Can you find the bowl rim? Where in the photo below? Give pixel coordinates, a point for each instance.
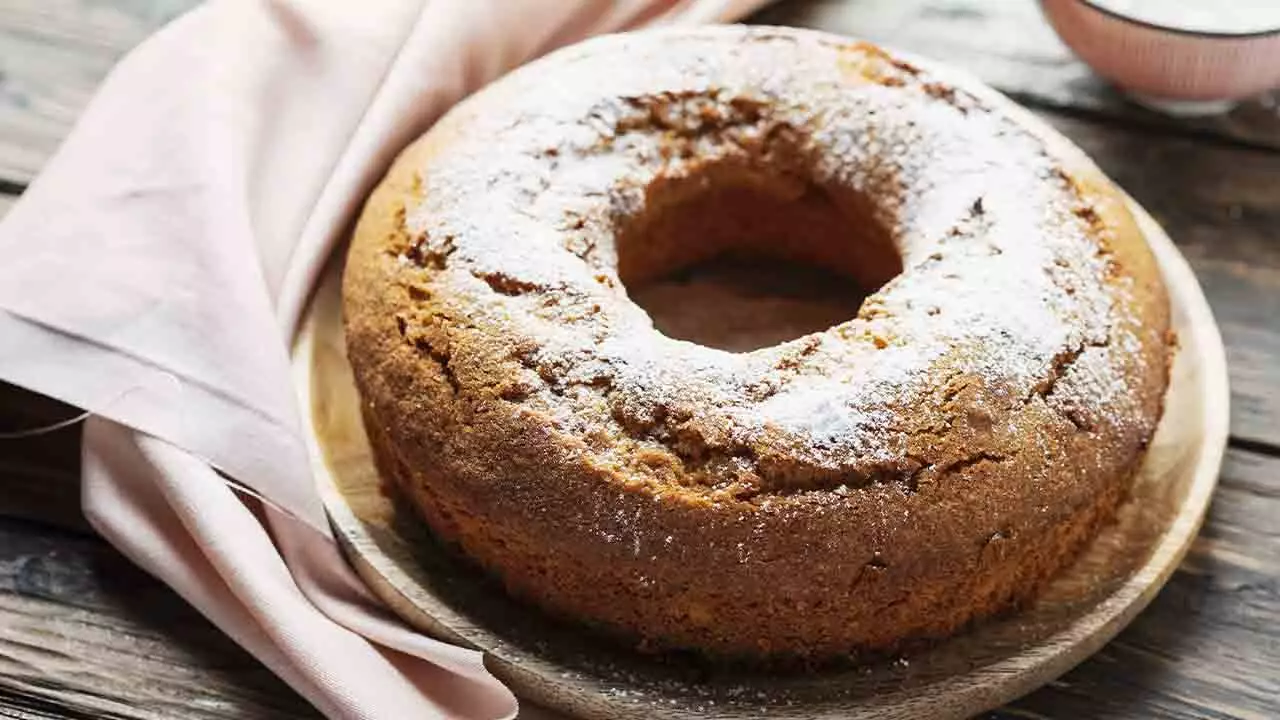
(1203, 34)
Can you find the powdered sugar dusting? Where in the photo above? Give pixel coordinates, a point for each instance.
(1002, 279)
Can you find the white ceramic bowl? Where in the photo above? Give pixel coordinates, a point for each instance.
(1174, 69)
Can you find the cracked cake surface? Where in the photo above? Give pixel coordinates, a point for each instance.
(932, 460)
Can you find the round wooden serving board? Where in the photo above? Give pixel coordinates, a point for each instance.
(558, 666)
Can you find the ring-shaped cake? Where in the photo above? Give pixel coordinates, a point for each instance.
(932, 460)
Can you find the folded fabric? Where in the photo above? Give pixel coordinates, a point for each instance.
(156, 271)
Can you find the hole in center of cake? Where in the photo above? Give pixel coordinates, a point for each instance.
(737, 260)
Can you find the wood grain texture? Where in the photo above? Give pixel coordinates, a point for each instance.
(1217, 200)
(997, 660)
(85, 634)
(53, 54)
(1008, 44)
(1208, 646)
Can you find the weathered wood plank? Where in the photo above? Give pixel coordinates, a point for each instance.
(39, 473)
(53, 53)
(1009, 44)
(1213, 200)
(84, 634)
(1207, 647)
(1220, 611)
(90, 634)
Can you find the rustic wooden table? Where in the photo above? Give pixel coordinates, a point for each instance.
(83, 634)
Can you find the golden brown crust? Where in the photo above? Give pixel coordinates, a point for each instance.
(696, 509)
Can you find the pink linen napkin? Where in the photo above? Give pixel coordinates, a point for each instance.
(156, 271)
